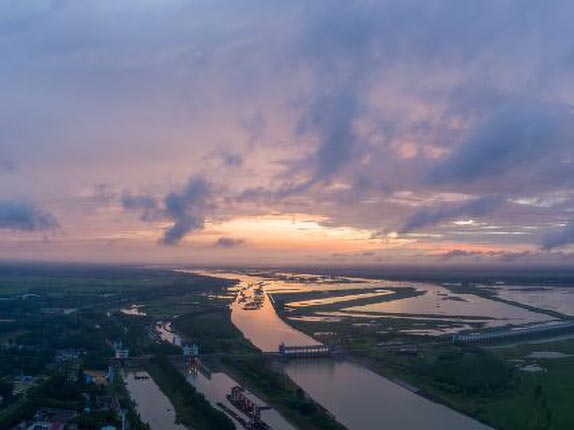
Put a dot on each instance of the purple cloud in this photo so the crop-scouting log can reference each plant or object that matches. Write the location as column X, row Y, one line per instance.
column 558, row 239
column 229, row 242
column 186, row 209
column 432, row 215
column 25, row 216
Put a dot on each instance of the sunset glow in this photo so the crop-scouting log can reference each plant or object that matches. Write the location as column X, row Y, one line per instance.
column 295, row 132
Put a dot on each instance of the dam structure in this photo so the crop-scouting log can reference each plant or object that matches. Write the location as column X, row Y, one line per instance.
column 305, row 351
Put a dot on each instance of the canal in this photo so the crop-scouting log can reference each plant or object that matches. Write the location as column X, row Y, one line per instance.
column 215, row 389
column 152, row 405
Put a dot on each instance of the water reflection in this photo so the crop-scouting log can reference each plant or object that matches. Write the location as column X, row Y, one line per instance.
column 437, row 300
column 559, row 299
column 216, row 388
column 362, row 400
column 153, row 406
column 338, row 299
column 262, row 326
column 359, row 398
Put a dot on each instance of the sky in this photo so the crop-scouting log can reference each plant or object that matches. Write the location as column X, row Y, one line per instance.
column 257, row 132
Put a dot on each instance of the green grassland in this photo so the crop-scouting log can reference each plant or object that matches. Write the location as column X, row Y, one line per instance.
column 486, row 385
column 214, row 331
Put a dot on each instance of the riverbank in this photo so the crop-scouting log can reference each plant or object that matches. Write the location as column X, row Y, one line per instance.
column 191, row 407
column 404, row 364
column 411, row 383
column 267, row 380
column 228, row 349
column 127, row 403
column 355, row 395
column 531, row 398
column 487, row 385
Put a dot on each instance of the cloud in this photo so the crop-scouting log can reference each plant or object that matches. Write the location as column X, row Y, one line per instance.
column 25, row 216
column 146, row 204
column 432, row 215
column 515, row 134
column 186, row 209
column 231, row 159
column 7, row 165
column 229, row 242
column 558, row 239
column 332, row 109
column 459, row 253
column 331, row 118
column 341, row 55
column 104, row 193
column 493, row 256
column 507, row 257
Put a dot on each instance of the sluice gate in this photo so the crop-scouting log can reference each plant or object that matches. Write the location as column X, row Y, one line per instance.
column 305, row 351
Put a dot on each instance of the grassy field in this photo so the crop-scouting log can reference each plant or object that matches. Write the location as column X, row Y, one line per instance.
column 103, row 284
column 214, row 331
column 544, row 397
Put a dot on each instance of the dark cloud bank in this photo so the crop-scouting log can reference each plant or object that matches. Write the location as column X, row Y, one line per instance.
column 185, row 209
column 229, row 242
column 26, row 217
column 429, row 216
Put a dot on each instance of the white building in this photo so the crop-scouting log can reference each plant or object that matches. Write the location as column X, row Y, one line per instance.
column 191, row 350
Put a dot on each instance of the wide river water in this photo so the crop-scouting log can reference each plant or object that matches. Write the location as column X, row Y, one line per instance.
column 357, row 397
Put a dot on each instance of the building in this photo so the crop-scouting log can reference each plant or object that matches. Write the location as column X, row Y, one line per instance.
column 50, row 419
column 191, row 350
column 69, row 354
column 121, row 352
column 96, row 377
column 176, row 340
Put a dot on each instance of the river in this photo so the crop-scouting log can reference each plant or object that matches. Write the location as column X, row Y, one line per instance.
column 357, row 397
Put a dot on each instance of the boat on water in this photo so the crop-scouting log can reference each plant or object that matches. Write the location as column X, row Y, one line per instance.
column 252, row 306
